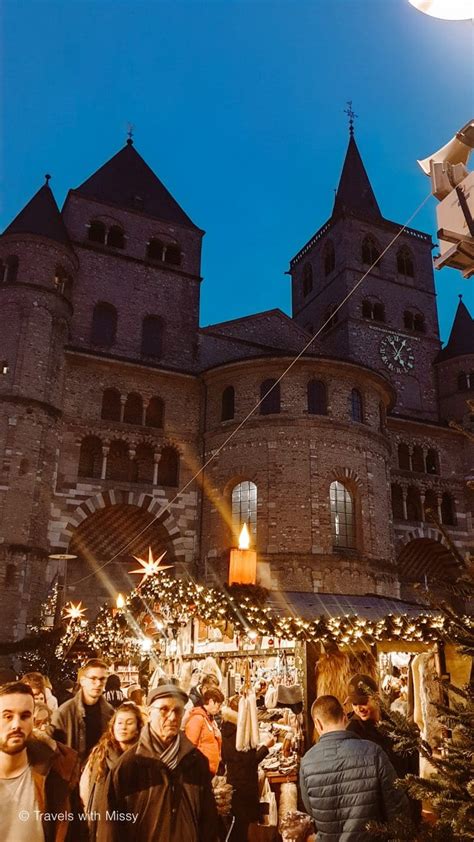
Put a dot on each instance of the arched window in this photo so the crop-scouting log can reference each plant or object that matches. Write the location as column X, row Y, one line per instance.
column 152, row 337
column 431, row 504
column 271, row 401
column 418, row 460
column 317, row 398
column 97, row 232
column 133, row 411
column 397, row 503
column 408, row 320
column 342, row 516
column 404, row 461
column 405, row 265
column 90, row 458
column 329, row 258
column 307, row 279
column 154, row 413
column 145, row 463
column 373, row 310
column 10, row 269
column 155, row 250
column 419, row 323
column 168, row 467
column 244, row 508
column 366, row 309
column 432, row 462
column 119, row 465
column 111, row 405
column 357, row 407
column 448, row 514
column 172, row 254
column 62, row 281
column 370, row 251
column 228, row 404
column 104, row 325
column 413, row 503
column 116, row 237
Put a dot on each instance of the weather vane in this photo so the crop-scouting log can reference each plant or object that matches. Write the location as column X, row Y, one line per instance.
column 130, row 134
column 351, row 114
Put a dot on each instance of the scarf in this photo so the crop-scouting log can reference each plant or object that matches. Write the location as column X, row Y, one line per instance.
column 168, row 754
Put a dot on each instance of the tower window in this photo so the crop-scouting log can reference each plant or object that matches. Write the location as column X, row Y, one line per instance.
column 307, row 279
column 418, row 460
column 432, row 462
column 62, row 281
column 152, row 337
column 116, row 237
column 357, row 407
column 405, row 265
column 244, row 507
column 331, row 318
column 370, row 251
column 270, row 400
column 172, row 254
column 228, row 404
column 111, row 405
column 373, row 310
column 97, row 232
column 317, row 398
column 133, row 411
column 154, row 413
column 90, row 458
column 448, row 515
column 329, row 258
column 419, row 323
column 342, row 516
column 168, row 467
column 104, row 325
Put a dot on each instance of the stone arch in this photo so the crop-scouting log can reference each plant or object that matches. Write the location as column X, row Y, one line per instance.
column 425, row 552
column 346, row 475
column 139, row 500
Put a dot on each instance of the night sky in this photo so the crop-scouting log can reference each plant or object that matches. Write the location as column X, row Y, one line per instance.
column 238, row 106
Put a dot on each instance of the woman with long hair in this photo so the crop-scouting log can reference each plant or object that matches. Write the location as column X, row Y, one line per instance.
column 122, row 733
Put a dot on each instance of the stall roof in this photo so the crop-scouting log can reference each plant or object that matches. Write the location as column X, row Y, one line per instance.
column 310, row 606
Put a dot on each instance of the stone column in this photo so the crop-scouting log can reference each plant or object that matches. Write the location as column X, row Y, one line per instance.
column 404, row 500
column 145, row 407
column 105, row 452
column 156, row 457
column 123, row 401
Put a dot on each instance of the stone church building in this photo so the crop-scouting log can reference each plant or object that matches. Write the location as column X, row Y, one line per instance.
column 113, row 398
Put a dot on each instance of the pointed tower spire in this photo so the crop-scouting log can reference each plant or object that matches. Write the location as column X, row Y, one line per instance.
column 354, row 194
column 41, row 216
column 461, row 338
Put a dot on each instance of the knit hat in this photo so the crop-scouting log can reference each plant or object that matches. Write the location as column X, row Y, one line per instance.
column 166, row 691
column 358, row 688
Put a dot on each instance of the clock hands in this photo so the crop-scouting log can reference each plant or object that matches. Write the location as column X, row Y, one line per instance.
column 397, row 355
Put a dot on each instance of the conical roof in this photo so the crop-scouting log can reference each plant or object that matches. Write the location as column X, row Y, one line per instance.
column 126, row 180
column 41, row 216
column 461, row 338
column 355, row 194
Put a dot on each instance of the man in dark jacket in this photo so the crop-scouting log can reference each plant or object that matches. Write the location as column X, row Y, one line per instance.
column 160, row 790
column 81, row 721
column 346, row 782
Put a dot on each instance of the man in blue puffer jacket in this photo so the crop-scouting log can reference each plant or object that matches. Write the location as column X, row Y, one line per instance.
column 346, row 782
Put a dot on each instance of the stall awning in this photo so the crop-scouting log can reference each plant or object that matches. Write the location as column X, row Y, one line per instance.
column 310, row 606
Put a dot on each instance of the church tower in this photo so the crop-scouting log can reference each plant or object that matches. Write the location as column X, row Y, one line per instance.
column 390, row 323
column 37, row 274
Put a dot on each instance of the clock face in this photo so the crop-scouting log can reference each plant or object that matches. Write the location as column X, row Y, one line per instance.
column 396, row 353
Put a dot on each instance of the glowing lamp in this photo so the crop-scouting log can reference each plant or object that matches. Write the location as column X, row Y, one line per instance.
column 243, row 561
column 120, row 601
column 445, row 9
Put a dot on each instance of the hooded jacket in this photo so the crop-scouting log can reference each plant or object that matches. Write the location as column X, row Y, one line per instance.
column 69, row 722
column 205, row 735
column 148, row 802
column 345, row 783
column 55, row 774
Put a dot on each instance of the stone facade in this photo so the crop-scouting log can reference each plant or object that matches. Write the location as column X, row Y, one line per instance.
column 125, row 425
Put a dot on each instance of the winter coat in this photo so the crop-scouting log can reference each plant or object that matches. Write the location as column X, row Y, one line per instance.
column 242, row 769
column 345, row 783
column 93, row 789
column 55, row 770
column 205, row 735
column 69, row 722
column 366, row 729
column 170, row 805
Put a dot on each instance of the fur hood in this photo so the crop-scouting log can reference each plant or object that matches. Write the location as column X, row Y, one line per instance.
column 228, row 715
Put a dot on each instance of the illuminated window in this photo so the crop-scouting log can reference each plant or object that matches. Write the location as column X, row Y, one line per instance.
column 244, row 507
column 342, row 516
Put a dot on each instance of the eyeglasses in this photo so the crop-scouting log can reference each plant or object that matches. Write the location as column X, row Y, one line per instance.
column 166, row 712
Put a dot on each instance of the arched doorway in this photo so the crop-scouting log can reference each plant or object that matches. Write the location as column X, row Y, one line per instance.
column 105, row 544
column 426, row 562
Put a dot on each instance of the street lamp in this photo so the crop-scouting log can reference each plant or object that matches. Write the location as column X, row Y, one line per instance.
column 62, row 581
column 445, row 9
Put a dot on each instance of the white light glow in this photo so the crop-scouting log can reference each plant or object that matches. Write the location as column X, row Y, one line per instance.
column 445, row 9
column 244, row 538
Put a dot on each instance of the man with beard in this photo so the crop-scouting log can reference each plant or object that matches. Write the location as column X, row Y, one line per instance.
column 36, row 776
column 160, row 790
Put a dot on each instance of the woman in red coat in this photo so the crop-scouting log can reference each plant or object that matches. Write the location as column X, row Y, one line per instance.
column 201, row 729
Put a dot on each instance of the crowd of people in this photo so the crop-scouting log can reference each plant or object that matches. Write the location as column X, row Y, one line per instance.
column 96, row 764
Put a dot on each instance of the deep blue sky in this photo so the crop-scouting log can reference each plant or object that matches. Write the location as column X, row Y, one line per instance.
column 238, row 107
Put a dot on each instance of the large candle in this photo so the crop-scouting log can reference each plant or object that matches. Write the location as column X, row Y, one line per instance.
column 243, row 561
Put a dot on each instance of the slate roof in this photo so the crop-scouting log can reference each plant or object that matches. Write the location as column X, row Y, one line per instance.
column 127, row 181
column 310, row 606
column 354, row 193
column 461, row 338
column 41, row 216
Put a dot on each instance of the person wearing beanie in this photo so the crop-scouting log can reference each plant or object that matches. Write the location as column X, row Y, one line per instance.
column 160, row 790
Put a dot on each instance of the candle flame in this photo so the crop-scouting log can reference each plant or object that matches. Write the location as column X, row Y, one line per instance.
column 244, row 538
column 120, row 601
